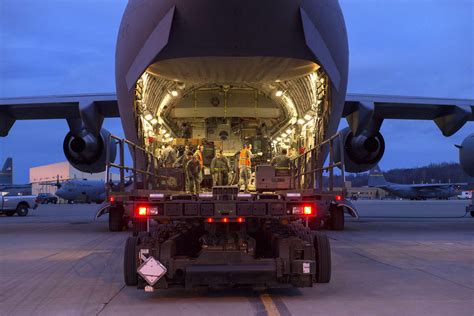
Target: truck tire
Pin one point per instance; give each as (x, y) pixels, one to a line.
(130, 262)
(10, 213)
(22, 210)
(116, 219)
(323, 258)
(337, 217)
(138, 226)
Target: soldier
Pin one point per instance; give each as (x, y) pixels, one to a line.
(169, 156)
(282, 161)
(220, 169)
(193, 174)
(198, 155)
(244, 166)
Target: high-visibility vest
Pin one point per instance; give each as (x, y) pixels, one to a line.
(244, 159)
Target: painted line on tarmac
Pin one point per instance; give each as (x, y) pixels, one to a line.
(270, 306)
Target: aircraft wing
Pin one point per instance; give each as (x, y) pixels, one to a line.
(56, 107)
(450, 115)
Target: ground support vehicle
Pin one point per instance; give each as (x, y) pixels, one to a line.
(17, 204)
(227, 238)
(46, 198)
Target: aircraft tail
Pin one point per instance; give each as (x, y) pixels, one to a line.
(376, 177)
(6, 174)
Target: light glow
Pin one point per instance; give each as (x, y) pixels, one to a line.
(308, 117)
(307, 210)
(301, 121)
(148, 117)
(154, 121)
(210, 220)
(174, 93)
(289, 131)
(284, 135)
(279, 93)
(142, 210)
(225, 220)
(240, 220)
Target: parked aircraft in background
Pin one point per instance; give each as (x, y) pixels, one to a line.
(413, 191)
(82, 190)
(6, 181)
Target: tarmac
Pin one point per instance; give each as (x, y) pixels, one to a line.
(400, 258)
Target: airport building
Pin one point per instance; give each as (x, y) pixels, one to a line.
(41, 176)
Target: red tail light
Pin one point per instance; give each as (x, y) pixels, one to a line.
(111, 199)
(338, 197)
(240, 220)
(210, 220)
(225, 220)
(307, 210)
(142, 211)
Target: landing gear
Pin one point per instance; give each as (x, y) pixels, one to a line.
(336, 221)
(130, 262)
(116, 221)
(323, 258)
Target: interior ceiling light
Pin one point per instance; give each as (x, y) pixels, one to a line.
(284, 135)
(289, 131)
(279, 93)
(174, 93)
(274, 141)
(279, 139)
(308, 117)
(301, 121)
(154, 121)
(167, 135)
(163, 131)
(148, 117)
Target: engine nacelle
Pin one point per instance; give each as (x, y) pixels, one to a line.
(361, 153)
(87, 152)
(466, 155)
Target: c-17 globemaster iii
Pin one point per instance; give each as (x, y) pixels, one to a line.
(225, 73)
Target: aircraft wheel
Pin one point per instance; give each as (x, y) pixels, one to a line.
(11, 213)
(472, 213)
(116, 219)
(323, 258)
(22, 210)
(130, 262)
(337, 217)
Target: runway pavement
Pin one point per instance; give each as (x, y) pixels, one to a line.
(59, 261)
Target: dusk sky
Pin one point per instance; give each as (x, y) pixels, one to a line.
(397, 47)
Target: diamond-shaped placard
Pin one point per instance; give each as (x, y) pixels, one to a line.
(152, 270)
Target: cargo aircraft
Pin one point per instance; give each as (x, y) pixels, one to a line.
(235, 68)
(421, 191)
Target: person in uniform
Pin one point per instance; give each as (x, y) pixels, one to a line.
(281, 161)
(220, 169)
(198, 155)
(169, 156)
(193, 174)
(244, 166)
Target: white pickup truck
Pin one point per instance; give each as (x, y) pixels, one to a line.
(19, 204)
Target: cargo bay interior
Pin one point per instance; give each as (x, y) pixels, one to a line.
(272, 111)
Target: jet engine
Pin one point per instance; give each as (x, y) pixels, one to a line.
(87, 152)
(466, 155)
(361, 153)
